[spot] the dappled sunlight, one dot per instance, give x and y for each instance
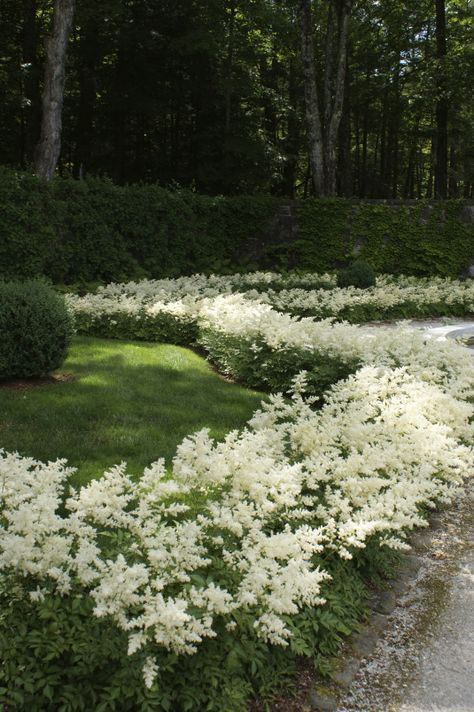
(132, 402)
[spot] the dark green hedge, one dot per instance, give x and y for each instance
(93, 230)
(85, 231)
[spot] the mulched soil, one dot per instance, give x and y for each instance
(26, 384)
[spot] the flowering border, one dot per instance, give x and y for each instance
(241, 529)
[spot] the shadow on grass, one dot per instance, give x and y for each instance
(131, 401)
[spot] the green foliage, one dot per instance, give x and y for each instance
(360, 274)
(256, 364)
(92, 230)
(88, 241)
(35, 329)
(417, 239)
(361, 313)
(322, 242)
(226, 113)
(85, 231)
(26, 231)
(161, 327)
(57, 656)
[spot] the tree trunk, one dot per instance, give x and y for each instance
(453, 173)
(365, 132)
(395, 137)
(441, 157)
(313, 118)
(49, 146)
(430, 181)
(329, 64)
(358, 171)
(380, 192)
(337, 103)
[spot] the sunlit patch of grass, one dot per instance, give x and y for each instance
(128, 401)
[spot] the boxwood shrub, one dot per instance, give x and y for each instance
(359, 274)
(35, 329)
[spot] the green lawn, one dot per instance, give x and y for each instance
(130, 401)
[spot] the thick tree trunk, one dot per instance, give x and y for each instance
(49, 146)
(332, 127)
(313, 118)
(441, 159)
(329, 64)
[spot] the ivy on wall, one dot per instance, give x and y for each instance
(93, 230)
(419, 238)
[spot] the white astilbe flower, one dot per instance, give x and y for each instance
(314, 294)
(389, 292)
(120, 586)
(150, 671)
(33, 537)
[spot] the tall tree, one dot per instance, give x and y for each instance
(442, 107)
(211, 94)
(49, 147)
(313, 118)
(322, 137)
(335, 91)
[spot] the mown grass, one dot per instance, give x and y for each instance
(129, 401)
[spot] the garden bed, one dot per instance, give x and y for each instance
(254, 551)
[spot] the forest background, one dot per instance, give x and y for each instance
(282, 97)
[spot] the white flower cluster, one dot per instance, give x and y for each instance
(312, 294)
(241, 524)
(444, 363)
(180, 297)
(389, 292)
(199, 285)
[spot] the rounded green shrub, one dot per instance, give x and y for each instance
(359, 274)
(35, 329)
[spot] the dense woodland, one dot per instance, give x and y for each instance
(369, 98)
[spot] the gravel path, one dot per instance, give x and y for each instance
(446, 667)
(425, 660)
